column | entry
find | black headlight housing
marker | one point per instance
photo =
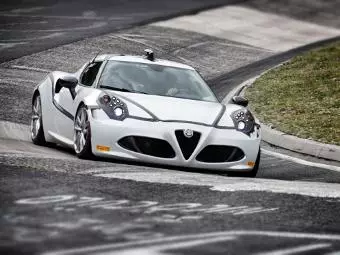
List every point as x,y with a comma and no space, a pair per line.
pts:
244,121
114,107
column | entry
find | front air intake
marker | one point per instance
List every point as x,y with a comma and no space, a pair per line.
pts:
187,143
220,154
147,145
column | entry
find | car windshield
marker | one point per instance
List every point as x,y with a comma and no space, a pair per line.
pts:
155,79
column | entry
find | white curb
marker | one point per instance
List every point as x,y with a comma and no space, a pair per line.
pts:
15,131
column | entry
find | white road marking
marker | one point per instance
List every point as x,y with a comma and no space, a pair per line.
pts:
227,184
313,189
302,248
250,26
150,209
254,210
163,241
122,168
45,199
301,161
161,248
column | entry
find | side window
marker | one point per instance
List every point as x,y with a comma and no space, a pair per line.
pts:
90,73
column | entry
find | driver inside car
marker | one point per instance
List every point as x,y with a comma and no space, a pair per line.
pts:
173,84
176,87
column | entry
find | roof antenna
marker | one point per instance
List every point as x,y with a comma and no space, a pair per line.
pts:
149,54
92,61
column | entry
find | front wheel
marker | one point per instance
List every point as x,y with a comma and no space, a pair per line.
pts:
82,134
37,130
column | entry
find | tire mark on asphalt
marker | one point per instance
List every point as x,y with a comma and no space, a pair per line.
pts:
27,40
28,68
28,10
94,25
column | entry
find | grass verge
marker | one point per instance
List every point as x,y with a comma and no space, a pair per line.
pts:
302,96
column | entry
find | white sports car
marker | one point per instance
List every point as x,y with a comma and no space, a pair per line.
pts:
145,109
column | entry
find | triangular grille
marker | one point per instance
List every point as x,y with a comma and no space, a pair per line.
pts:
187,145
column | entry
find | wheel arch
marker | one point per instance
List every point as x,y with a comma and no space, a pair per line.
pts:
36,92
81,103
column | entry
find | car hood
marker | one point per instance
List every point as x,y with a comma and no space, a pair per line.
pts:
171,108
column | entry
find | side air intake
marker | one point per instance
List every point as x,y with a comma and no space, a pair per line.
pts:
219,154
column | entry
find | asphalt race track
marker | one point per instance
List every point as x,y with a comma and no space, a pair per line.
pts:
34,26
53,203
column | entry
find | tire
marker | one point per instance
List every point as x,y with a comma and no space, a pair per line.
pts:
82,134
37,129
253,172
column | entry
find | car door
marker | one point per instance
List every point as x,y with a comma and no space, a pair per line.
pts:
64,124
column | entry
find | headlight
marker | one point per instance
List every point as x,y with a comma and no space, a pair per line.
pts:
114,107
243,121
118,111
241,125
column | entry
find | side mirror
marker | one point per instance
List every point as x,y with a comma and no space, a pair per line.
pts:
69,82
240,101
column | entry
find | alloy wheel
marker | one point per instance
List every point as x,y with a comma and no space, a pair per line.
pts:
36,117
81,130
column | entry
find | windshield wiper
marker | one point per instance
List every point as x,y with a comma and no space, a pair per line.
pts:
122,89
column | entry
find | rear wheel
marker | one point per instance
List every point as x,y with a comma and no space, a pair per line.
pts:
82,134
37,130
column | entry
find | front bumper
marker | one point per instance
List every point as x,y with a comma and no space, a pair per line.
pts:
107,133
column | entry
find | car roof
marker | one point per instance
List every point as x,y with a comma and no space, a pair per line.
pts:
142,59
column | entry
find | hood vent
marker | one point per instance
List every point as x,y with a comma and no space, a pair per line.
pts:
187,144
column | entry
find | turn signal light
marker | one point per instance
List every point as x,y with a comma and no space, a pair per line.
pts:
102,148
251,163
